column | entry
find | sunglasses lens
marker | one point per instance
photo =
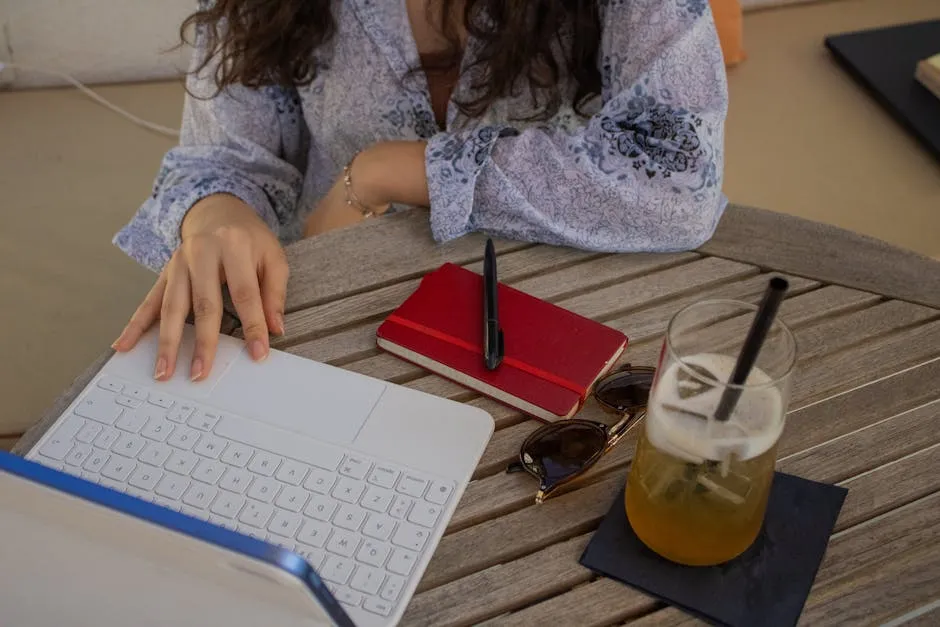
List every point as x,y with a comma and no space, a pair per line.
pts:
623,391
563,450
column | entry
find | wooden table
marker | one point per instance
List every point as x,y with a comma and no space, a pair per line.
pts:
864,409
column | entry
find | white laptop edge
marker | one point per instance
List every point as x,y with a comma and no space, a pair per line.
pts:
292,566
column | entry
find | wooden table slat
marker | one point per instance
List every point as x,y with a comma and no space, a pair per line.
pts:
825,253
500,588
889,486
904,581
595,604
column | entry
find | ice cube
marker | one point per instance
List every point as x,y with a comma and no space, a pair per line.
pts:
689,386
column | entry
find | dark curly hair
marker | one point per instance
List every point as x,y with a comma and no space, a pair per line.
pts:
272,42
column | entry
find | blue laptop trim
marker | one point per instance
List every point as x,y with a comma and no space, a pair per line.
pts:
278,557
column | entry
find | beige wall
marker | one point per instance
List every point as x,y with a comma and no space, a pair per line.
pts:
94,40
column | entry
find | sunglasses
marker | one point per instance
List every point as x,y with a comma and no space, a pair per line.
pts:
559,452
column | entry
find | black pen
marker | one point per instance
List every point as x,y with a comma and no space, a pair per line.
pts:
492,333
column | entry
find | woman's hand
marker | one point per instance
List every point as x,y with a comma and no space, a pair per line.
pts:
223,241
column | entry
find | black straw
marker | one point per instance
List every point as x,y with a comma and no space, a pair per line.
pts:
766,313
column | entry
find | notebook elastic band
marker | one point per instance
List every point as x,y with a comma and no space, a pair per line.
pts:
508,361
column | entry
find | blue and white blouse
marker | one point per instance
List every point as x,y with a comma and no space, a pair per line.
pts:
643,173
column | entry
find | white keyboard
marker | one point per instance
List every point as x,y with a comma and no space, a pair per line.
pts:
362,523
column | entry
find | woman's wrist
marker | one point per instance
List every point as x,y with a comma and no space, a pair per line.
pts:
391,172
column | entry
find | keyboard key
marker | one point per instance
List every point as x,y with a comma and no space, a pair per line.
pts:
57,447
314,533
136,393
350,518
384,476
119,486
88,432
181,462
410,537
251,532
160,400
348,490
200,496
281,541
292,499
132,421
392,588
285,523
377,499
183,438
146,477
263,489
167,502
78,454
118,468
377,606
108,437
208,471
343,543
355,467
412,486
378,527
439,492
235,480
402,562
367,580
320,481
227,505
99,406
236,454
130,403
320,508
210,446
96,461
204,420
264,463
155,454
291,472
195,512
347,597
222,522
129,445
400,506
313,556
256,514
157,429
424,514
111,384
337,569
180,412
373,553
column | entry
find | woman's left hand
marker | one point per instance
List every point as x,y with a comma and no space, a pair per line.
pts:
388,172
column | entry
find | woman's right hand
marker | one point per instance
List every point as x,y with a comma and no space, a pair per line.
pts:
223,241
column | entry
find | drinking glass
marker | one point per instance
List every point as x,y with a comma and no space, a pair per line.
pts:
698,487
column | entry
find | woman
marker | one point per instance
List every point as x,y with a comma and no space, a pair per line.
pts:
596,124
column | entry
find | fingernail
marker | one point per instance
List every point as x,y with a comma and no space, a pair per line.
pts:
115,343
280,324
160,371
195,372
257,350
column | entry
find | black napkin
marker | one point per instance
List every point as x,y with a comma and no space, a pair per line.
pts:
766,585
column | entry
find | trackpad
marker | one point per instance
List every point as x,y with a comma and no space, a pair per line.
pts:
299,395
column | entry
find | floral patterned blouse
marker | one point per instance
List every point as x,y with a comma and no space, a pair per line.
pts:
641,173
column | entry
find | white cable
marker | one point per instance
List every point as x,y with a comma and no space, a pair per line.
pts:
157,128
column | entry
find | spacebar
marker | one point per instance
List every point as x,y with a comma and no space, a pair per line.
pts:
259,435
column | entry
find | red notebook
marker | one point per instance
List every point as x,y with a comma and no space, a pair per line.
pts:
553,357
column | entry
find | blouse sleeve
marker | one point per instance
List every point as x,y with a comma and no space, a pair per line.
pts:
250,143
643,174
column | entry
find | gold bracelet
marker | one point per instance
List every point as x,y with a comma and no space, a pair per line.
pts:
351,199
